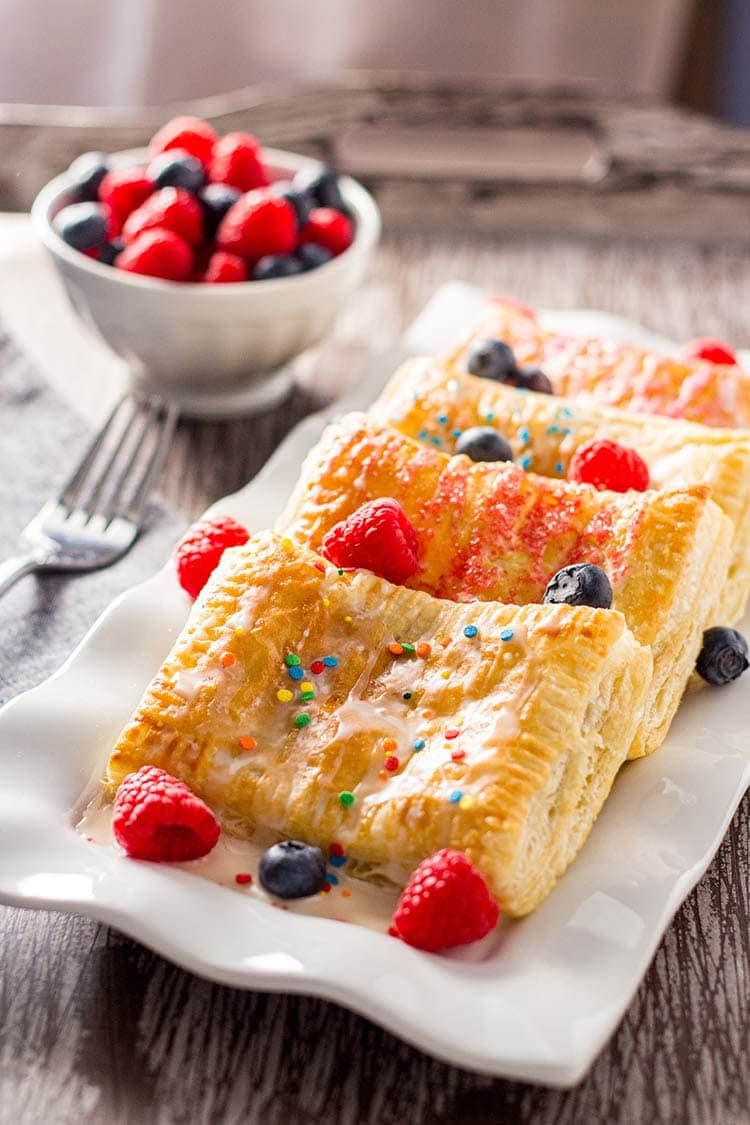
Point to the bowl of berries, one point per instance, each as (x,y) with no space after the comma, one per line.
(207,262)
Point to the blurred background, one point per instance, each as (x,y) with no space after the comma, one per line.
(154,52)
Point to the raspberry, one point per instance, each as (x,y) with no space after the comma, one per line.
(445,903)
(169,209)
(199,551)
(224,267)
(157,253)
(328,228)
(714,351)
(605,464)
(188,133)
(258,224)
(237,161)
(123,191)
(378,537)
(157,817)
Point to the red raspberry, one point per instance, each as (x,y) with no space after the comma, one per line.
(224,267)
(188,133)
(199,551)
(328,228)
(157,253)
(607,465)
(123,191)
(237,161)
(714,351)
(378,537)
(445,903)
(157,817)
(169,209)
(258,224)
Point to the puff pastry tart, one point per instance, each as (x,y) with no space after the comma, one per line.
(432,402)
(503,743)
(617,374)
(493,531)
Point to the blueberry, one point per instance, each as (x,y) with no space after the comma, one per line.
(276,265)
(533,380)
(312,255)
(82,225)
(322,185)
(292,869)
(110,250)
(723,657)
(482,443)
(492,359)
(216,199)
(177,168)
(300,200)
(581,584)
(87,173)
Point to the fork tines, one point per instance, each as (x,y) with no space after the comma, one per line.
(115,476)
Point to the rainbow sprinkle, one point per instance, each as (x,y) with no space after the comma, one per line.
(471,631)
(346,798)
(506,634)
(302,720)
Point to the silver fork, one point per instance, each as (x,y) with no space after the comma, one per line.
(99,512)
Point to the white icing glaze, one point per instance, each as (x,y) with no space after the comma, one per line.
(350,900)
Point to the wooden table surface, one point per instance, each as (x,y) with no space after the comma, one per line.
(98,1029)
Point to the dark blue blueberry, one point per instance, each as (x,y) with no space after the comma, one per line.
(482,443)
(110,250)
(492,359)
(312,255)
(177,168)
(216,199)
(292,869)
(723,657)
(580,584)
(276,265)
(82,225)
(322,185)
(87,173)
(300,200)
(532,379)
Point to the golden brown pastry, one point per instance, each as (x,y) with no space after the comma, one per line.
(615,374)
(506,746)
(493,531)
(430,401)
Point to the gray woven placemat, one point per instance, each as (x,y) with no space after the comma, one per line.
(43,617)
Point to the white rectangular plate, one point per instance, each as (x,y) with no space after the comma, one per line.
(543,1002)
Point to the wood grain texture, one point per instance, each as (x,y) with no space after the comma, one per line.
(95,1028)
(654,167)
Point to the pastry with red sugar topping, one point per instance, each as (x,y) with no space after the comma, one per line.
(611,372)
(199,551)
(377,537)
(608,465)
(157,817)
(446,903)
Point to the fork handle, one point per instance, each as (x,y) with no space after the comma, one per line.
(13,569)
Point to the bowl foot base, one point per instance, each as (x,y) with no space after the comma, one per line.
(262,393)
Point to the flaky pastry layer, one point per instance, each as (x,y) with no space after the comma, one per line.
(544,702)
(434,403)
(616,374)
(492,531)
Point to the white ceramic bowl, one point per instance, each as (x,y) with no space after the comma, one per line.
(215,349)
